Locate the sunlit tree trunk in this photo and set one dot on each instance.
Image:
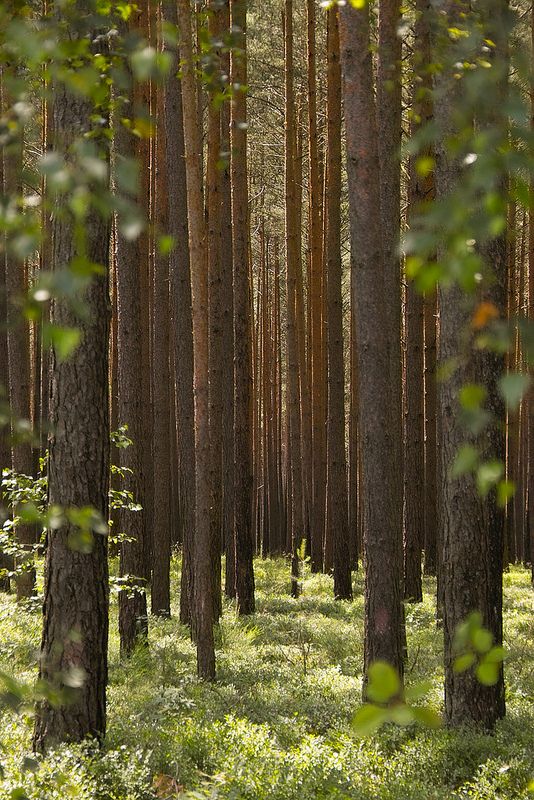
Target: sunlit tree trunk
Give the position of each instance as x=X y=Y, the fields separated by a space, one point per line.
x=161 y=382
x=317 y=517
x=382 y=526
x=76 y=590
x=202 y=599
x=471 y=526
x=336 y=488
x=244 y=546
x=182 y=334
x=18 y=349
x=132 y=600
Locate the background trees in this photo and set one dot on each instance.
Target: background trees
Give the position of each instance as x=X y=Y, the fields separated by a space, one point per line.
x=259 y=322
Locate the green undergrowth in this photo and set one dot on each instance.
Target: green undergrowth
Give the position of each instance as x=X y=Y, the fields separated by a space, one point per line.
x=276 y=725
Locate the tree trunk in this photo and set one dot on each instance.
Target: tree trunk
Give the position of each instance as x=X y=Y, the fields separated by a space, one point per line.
x=76 y=595
x=161 y=382
x=242 y=321
x=336 y=487
x=202 y=606
x=133 y=620
x=382 y=525
x=471 y=526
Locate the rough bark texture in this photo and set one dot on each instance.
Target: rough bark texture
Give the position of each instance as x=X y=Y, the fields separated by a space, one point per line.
x=389 y=122
x=419 y=191
x=75 y=622
x=18 y=347
x=214 y=220
x=292 y=264
x=336 y=488
x=133 y=620
x=202 y=605
x=244 y=545
x=317 y=519
x=471 y=527
x=182 y=332
x=161 y=383
x=382 y=527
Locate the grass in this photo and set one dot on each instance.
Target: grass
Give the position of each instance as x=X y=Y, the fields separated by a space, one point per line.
x=276 y=725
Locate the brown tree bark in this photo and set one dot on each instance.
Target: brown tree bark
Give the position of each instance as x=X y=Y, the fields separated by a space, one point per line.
x=382 y=526
x=182 y=333
x=161 y=383
x=75 y=621
x=317 y=518
x=215 y=295
x=336 y=487
x=133 y=620
x=471 y=526
x=292 y=265
x=242 y=320
x=419 y=192
x=202 y=607
x=18 y=349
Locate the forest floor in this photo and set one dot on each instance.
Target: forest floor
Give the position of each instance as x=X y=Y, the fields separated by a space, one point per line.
x=277 y=722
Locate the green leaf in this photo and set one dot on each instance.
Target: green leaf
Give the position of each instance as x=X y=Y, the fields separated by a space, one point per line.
x=472 y=395
x=368 y=719
x=513 y=387
x=487 y=673
x=427 y=717
x=482 y=640
x=488 y=475
x=401 y=715
x=466 y=461
x=496 y=655
x=384 y=683
x=464 y=662
x=505 y=492
x=63 y=340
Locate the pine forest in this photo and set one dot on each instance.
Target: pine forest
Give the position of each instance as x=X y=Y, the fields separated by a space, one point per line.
x=266 y=399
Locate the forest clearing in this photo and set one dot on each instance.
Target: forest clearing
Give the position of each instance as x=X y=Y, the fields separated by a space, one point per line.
x=266 y=399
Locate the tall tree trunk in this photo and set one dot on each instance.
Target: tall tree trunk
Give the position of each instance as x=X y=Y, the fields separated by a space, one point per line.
x=227 y=334
x=18 y=348
x=389 y=122
x=161 y=382
x=292 y=265
x=214 y=218
x=76 y=595
x=317 y=519
x=180 y=284
x=471 y=527
x=202 y=607
x=336 y=487
x=133 y=621
x=242 y=320
x=419 y=191
x=382 y=526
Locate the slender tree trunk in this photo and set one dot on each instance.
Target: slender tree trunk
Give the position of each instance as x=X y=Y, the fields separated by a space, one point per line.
x=419 y=191
x=471 y=527
x=76 y=595
x=227 y=303
x=316 y=308
x=18 y=348
x=292 y=264
x=336 y=488
x=242 y=321
x=215 y=292
x=161 y=382
x=382 y=526
x=133 y=620
x=202 y=607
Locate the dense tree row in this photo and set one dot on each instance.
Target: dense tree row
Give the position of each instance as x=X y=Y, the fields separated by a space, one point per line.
x=250 y=322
